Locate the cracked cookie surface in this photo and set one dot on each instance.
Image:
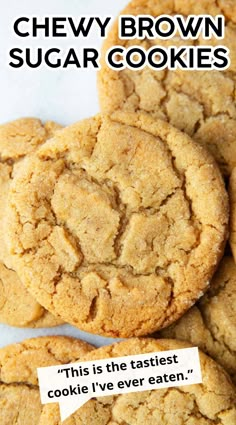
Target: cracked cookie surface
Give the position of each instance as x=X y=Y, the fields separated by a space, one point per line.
x=209 y=403
x=211 y=323
x=17 y=139
x=19 y=394
x=200 y=103
x=117 y=216
x=232 y=202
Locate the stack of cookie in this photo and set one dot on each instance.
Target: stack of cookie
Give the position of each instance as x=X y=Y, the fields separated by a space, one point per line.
x=117 y=225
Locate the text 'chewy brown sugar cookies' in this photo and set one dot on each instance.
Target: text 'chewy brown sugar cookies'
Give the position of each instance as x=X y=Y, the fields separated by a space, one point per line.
x=200 y=103
x=209 y=403
x=18 y=139
x=117 y=224
x=19 y=392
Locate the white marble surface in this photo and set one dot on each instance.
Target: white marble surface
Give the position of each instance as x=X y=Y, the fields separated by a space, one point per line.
x=62 y=95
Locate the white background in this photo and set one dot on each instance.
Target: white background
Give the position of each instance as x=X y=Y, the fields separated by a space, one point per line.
x=63 y=95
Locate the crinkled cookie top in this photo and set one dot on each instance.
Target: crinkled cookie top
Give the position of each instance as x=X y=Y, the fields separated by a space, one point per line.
x=17 y=139
x=117 y=224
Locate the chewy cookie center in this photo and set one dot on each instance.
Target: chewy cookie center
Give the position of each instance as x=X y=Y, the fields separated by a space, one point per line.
x=112 y=211
x=86 y=210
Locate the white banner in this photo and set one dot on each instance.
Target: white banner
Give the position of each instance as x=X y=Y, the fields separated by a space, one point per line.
x=72 y=385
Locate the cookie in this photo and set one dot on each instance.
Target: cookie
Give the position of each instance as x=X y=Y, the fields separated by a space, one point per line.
x=211 y=324
x=232 y=201
x=201 y=103
x=118 y=215
x=212 y=402
x=19 y=394
x=18 y=139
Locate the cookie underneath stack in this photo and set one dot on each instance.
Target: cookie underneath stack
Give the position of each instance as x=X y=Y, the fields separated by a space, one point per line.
x=18 y=139
x=212 y=402
x=19 y=393
x=201 y=103
x=211 y=324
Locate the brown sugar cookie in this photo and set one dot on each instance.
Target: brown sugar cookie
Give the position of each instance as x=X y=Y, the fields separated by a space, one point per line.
x=232 y=201
x=201 y=103
x=19 y=394
x=18 y=139
x=209 y=403
x=117 y=224
x=211 y=324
